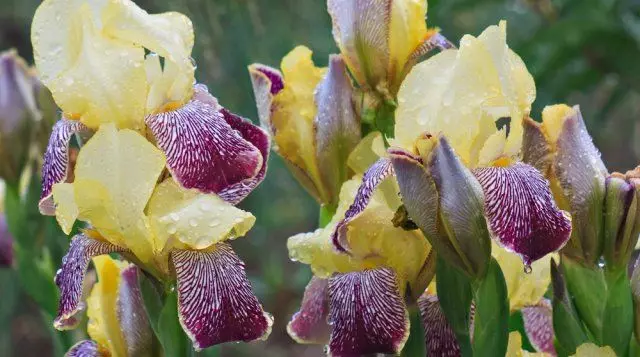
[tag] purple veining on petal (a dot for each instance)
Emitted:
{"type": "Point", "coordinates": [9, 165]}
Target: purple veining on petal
{"type": "Point", "coordinates": [215, 300]}
{"type": "Point", "coordinates": [260, 139]}
{"type": "Point", "coordinates": [522, 214]}
{"type": "Point", "coordinates": [203, 151]}
{"type": "Point", "coordinates": [538, 324]}
{"type": "Point", "coordinates": [267, 82]}
{"type": "Point", "coordinates": [437, 40]}
{"type": "Point", "coordinates": [439, 337]}
{"type": "Point", "coordinates": [70, 276]}
{"type": "Point", "coordinates": [131, 314]}
{"type": "Point", "coordinates": [86, 348]}
{"type": "Point", "coordinates": [56, 160]}
{"type": "Point", "coordinates": [380, 170]}
{"type": "Point", "coordinates": [366, 313]}
{"type": "Point", "coordinates": [309, 325]}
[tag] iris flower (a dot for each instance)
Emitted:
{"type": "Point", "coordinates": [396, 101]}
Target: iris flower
{"type": "Point", "coordinates": [161, 166]}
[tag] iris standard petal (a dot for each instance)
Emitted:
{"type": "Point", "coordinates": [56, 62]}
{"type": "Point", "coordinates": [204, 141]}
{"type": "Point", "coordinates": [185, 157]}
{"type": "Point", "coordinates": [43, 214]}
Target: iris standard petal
{"type": "Point", "coordinates": [215, 300]}
{"type": "Point", "coordinates": [538, 324]}
{"type": "Point", "coordinates": [367, 314]}
{"type": "Point", "coordinates": [370, 181]}
{"type": "Point", "coordinates": [70, 276]}
{"type": "Point", "coordinates": [260, 139]}
{"type": "Point", "coordinates": [203, 151]}
{"type": "Point", "coordinates": [309, 324]}
{"type": "Point", "coordinates": [55, 167]}
{"type": "Point", "coordinates": [85, 348]}
{"type": "Point", "coordinates": [190, 219]}
{"type": "Point", "coordinates": [521, 212]}
{"type": "Point", "coordinates": [440, 338]}
{"type": "Point", "coordinates": [267, 82]}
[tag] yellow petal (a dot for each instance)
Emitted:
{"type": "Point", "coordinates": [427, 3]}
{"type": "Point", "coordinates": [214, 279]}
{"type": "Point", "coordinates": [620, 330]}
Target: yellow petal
{"type": "Point", "coordinates": [103, 326]}
{"type": "Point", "coordinates": [553, 117]}
{"type": "Point", "coordinates": [115, 174]}
{"type": "Point", "coordinates": [368, 151]}
{"type": "Point", "coordinates": [514, 348]}
{"type": "Point", "coordinates": [591, 350]}
{"type": "Point", "coordinates": [294, 113]}
{"type": "Point", "coordinates": [195, 219]}
{"type": "Point", "coordinates": [455, 91]}
{"type": "Point", "coordinates": [407, 29]}
{"type": "Point", "coordinates": [92, 76]}
{"type": "Point", "coordinates": [66, 208]}
{"type": "Point", "coordinates": [524, 289]}
{"type": "Point", "coordinates": [373, 239]}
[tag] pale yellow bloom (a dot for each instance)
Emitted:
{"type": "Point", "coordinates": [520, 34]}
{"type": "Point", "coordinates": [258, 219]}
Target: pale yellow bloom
{"type": "Point", "coordinates": [591, 350]}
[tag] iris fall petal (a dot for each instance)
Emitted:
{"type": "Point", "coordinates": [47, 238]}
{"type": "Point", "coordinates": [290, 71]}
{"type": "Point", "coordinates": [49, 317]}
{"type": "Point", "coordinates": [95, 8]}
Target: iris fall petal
{"type": "Point", "coordinates": [538, 324]}
{"type": "Point", "coordinates": [309, 325]}
{"type": "Point", "coordinates": [440, 338]}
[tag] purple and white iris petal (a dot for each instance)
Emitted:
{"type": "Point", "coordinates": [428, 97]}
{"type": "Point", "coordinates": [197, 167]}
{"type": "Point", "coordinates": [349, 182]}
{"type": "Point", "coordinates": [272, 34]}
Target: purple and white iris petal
{"type": "Point", "coordinates": [437, 40]}
{"type": "Point", "coordinates": [203, 151]}
{"type": "Point", "coordinates": [56, 161]}
{"type": "Point", "coordinates": [522, 214]}
{"type": "Point", "coordinates": [379, 171]}
{"type": "Point", "coordinates": [215, 300]}
{"type": "Point", "coordinates": [538, 324]}
{"type": "Point", "coordinates": [86, 348]}
{"type": "Point", "coordinates": [131, 314]}
{"type": "Point", "coordinates": [367, 314]}
{"type": "Point", "coordinates": [258, 138]}
{"type": "Point", "coordinates": [309, 325]}
{"type": "Point", "coordinates": [440, 338]}
{"type": "Point", "coordinates": [70, 277]}
{"type": "Point", "coordinates": [267, 82]}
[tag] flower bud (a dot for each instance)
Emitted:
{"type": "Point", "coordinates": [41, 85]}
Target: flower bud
{"type": "Point", "coordinates": [621, 217]}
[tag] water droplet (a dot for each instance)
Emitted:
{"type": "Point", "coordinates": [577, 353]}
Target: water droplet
{"type": "Point", "coordinates": [214, 223]}
{"type": "Point", "coordinates": [172, 229]}
{"type": "Point", "coordinates": [174, 216]}
{"type": "Point", "coordinates": [527, 269]}
{"type": "Point", "coordinates": [193, 222]}
{"type": "Point", "coordinates": [205, 206]}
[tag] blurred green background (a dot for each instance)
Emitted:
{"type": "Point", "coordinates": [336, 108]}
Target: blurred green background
{"type": "Point", "coordinates": [584, 52]}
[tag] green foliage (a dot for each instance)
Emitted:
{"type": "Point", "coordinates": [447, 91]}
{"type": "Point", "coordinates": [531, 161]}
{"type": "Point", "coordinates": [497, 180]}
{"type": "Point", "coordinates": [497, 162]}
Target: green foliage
{"type": "Point", "coordinates": [491, 319]}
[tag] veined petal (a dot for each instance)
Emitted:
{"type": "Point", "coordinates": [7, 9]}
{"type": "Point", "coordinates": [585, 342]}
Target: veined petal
{"type": "Point", "coordinates": [85, 348]}
{"type": "Point", "coordinates": [215, 300]}
{"type": "Point", "coordinates": [115, 175]}
{"type": "Point", "coordinates": [260, 139]}
{"type": "Point", "coordinates": [538, 324]}
{"type": "Point", "coordinates": [203, 151]}
{"type": "Point", "coordinates": [309, 325]}
{"type": "Point", "coordinates": [522, 214]}
{"type": "Point", "coordinates": [55, 167]}
{"type": "Point", "coordinates": [367, 314]}
{"type": "Point", "coordinates": [370, 181]}
{"type": "Point", "coordinates": [440, 338]}
{"type": "Point", "coordinates": [92, 76]}
{"type": "Point", "coordinates": [71, 275]}
{"type": "Point", "coordinates": [195, 220]}
{"type": "Point", "coordinates": [267, 82]}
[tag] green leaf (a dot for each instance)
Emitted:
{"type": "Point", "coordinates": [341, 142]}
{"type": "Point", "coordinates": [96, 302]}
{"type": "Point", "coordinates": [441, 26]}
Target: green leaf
{"type": "Point", "coordinates": [454, 294]}
{"type": "Point", "coordinates": [170, 333]}
{"type": "Point", "coordinates": [491, 321]}
{"type": "Point", "coordinates": [415, 346]}
{"type": "Point", "coordinates": [588, 288]}
{"type": "Point", "coordinates": [152, 298]}
{"type": "Point", "coordinates": [566, 323]}
{"type": "Point", "coordinates": [618, 313]}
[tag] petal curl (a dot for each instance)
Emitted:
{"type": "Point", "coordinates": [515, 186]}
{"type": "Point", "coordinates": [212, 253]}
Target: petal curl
{"type": "Point", "coordinates": [215, 300]}
{"type": "Point", "coordinates": [203, 151]}
{"type": "Point", "coordinates": [522, 214]}
{"type": "Point", "coordinates": [367, 314]}
{"type": "Point", "coordinates": [370, 181]}
{"type": "Point", "coordinates": [70, 276]}
{"type": "Point", "coordinates": [55, 167]}
{"type": "Point", "coordinates": [440, 338]}
{"type": "Point", "coordinates": [85, 348]}
{"type": "Point", "coordinates": [267, 82]}
{"type": "Point", "coordinates": [309, 325]}
{"type": "Point", "coordinates": [538, 324]}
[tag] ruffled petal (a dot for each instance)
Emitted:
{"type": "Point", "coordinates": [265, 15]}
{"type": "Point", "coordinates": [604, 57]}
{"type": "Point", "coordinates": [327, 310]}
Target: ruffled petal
{"type": "Point", "coordinates": [367, 314]}
{"type": "Point", "coordinates": [267, 82]}
{"type": "Point", "coordinates": [309, 325]}
{"type": "Point", "coordinates": [215, 300]}
{"type": "Point", "coordinates": [370, 181]}
{"type": "Point", "coordinates": [70, 276]}
{"type": "Point", "coordinates": [85, 348]}
{"type": "Point", "coordinates": [440, 338]}
{"type": "Point", "coordinates": [260, 139]}
{"type": "Point", "coordinates": [522, 214]}
{"type": "Point", "coordinates": [538, 324]}
{"type": "Point", "coordinates": [203, 151]}
{"type": "Point", "coordinates": [56, 161]}
{"type": "Point", "coordinates": [195, 220]}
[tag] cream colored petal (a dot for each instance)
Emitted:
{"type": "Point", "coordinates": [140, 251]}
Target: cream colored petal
{"type": "Point", "coordinates": [591, 350]}
{"type": "Point", "coordinates": [366, 153]}
{"type": "Point", "coordinates": [524, 289]}
{"type": "Point", "coordinates": [94, 77]}
{"type": "Point", "coordinates": [115, 174]}
{"type": "Point", "coordinates": [514, 348]}
{"type": "Point", "coordinates": [407, 29]}
{"type": "Point", "coordinates": [553, 118]}
{"type": "Point", "coordinates": [66, 208]}
{"type": "Point", "coordinates": [194, 219]}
